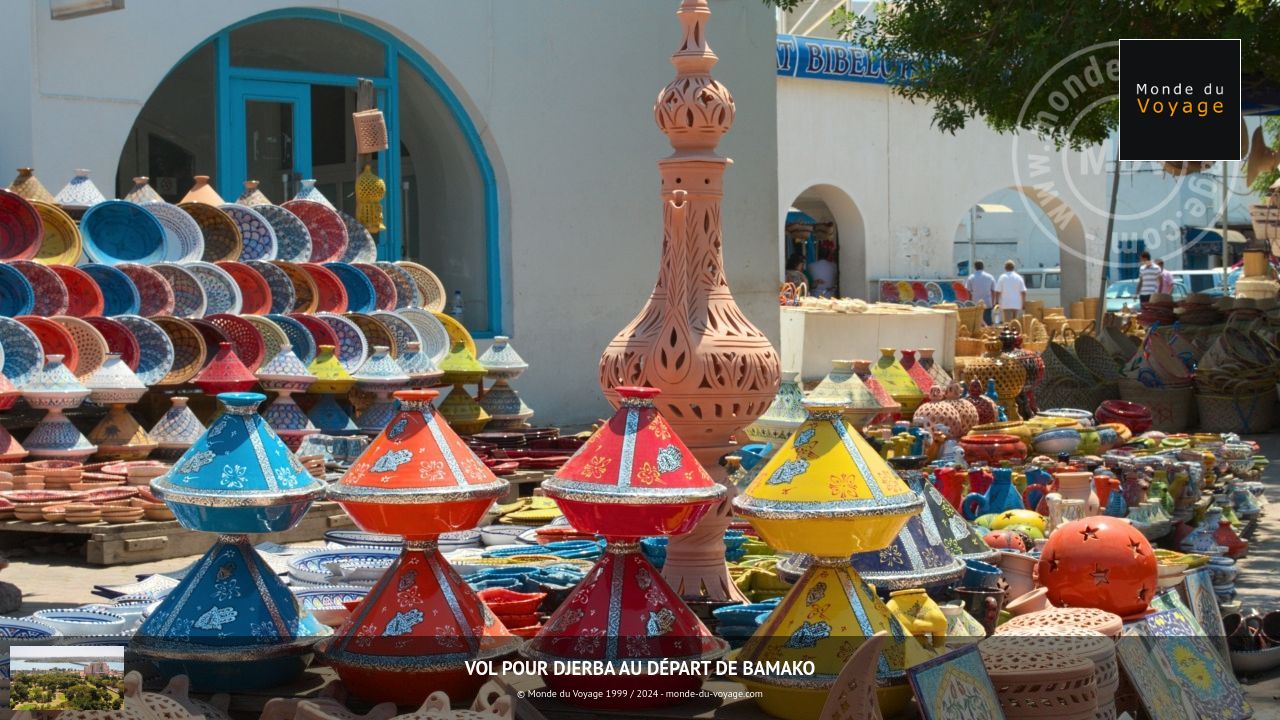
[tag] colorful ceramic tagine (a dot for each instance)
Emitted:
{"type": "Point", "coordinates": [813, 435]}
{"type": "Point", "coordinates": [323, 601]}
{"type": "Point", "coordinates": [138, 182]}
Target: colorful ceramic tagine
{"type": "Point", "coordinates": [308, 191]}
{"type": "Point", "coordinates": [1099, 562]}
{"type": "Point", "coordinates": [897, 382]}
{"type": "Point", "coordinates": [231, 623]}
{"type": "Point", "coordinates": [1226, 536]}
{"type": "Point", "coordinates": [285, 375]}
{"type": "Point", "coordinates": [919, 373]}
{"type": "Point", "coordinates": [504, 405]}
{"type": "Point", "coordinates": [380, 375]}
{"type": "Point", "coordinates": [252, 195]}
{"type": "Point", "coordinates": [421, 368]}
{"type": "Point", "coordinates": [691, 330]}
{"type": "Point", "coordinates": [79, 194]}
{"type": "Point", "coordinates": [29, 186]}
{"type": "Point", "coordinates": [461, 410]}
{"type": "Point", "coordinates": [56, 389]}
{"type": "Point", "coordinates": [118, 435]}
{"type": "Point", "coordinates": [891, 408]}
{"type": "Point", "coordinates": [420, 624]}
{"type": "Point", "coordinates": [931, 366]}
{"type": "Point", "coordinates": [225, 373]}
{"type": "Point", "coordinates": [783, 415]}
{"type": "Point", "coordinates": [175, 431]}
{"type": "Point", "coordinates": [842, 387]}
{"type": "Point", "coordinates": [332, 381]}
{"type": "Point", "coordinates": [202, 192]}
{"type": "Point", "coordinates": [634, 478]}
{"type": "Point", "coordinates": [142, 192]}
{"type": "Point", "coordinates": [827, 493]}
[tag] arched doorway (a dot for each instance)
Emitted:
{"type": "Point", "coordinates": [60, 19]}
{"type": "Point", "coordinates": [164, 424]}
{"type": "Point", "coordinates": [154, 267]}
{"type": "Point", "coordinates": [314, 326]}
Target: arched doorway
{"type": "Point", "coordinates": [270, 98]}
{"type": "Point", "coordinates": [824, 224]}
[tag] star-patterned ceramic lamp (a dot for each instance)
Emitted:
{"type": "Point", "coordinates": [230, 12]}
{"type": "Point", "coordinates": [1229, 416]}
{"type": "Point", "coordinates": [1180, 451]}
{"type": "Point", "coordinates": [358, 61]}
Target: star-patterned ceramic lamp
{"type": "Point", "coordinates": [421, 623]}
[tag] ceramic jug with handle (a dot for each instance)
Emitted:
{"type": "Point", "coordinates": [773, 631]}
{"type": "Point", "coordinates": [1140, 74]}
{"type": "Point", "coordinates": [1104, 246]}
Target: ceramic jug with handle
{"type": "Point", "coordinates": [1001, 496]}
{"type": "Point", "coordinates": [950, 483]}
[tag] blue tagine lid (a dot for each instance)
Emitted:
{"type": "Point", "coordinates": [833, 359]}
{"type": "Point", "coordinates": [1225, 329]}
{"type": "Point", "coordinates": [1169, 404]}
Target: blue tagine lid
{"type": "Point", "coordinates": [238, 477]}
{"type": "Point", "coordinates": [381, 370]}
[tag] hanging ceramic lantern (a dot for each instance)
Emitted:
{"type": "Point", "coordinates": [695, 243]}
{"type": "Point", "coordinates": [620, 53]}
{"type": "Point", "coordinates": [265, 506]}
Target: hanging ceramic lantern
{"type": "Point", "coordinates": [370, 130]}
{"type": "Point", "coordinates": [634, 478]}
{"type": "Point", "coordinates": [370, 190]}
{"type": "Point", "coordinates": [421, 623]}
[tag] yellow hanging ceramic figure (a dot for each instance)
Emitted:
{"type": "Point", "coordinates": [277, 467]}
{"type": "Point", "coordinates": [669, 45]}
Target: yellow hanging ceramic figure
{"type": "Point", "coordinates": [369, 191]}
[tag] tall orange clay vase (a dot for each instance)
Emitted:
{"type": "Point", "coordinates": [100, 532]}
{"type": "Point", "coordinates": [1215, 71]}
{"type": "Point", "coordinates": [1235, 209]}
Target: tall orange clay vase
{"type": "Point", "coordinates": [716, 370]}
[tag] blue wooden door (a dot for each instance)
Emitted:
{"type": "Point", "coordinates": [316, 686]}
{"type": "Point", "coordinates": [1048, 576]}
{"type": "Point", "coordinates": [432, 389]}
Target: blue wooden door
{"type": "Point", "coordinates": [270, 136]}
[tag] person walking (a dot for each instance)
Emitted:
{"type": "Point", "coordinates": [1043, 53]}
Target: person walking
{"type": "Point", "coordinates": [1148, 278]}
{"type": "Point", "coordinates": [1166, 279]}
{"type": "Point", "coordinates": [980, 285]}
{"type": "Point", "coordinates": [1011, 290]}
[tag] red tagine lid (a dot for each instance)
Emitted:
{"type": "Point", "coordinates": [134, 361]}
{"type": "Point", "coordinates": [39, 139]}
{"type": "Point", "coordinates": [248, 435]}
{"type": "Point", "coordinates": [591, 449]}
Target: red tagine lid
{"type": "Point", "coordinates": [634, 458]}
{"type": "Point", "coordinates": [225, 373]}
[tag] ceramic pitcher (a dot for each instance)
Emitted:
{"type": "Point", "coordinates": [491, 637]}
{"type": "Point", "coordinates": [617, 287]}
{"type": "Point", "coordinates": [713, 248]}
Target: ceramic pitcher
{"type": "Point", "coordinates": [920, 614]}
{"type": "Point", "coordinates": [1001, 496]}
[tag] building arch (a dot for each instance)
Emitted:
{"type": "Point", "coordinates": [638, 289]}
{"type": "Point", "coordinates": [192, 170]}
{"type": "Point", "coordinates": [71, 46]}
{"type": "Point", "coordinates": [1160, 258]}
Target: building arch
{"type": "Point", "coordinates": [827, 203]}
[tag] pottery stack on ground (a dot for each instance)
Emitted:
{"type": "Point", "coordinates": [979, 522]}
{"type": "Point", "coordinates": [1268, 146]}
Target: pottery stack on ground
{"type": "Point", "coordinates": [55, 389]}
{"type": "Point", "coordinates": [502, 364]}
{"type": "Point", "coordinates": [380, 375]}
{"type": "Point", "coordinates": [285, 375]}
{"type": "Point", "coordinates": [118, 435]}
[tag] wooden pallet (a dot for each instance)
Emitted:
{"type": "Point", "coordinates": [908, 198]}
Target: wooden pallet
{"type": "Point", "coordinates": [147, 540]}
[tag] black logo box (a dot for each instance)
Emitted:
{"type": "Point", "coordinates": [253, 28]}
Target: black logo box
{"type": "Point", "coordinates": [1186, 68]}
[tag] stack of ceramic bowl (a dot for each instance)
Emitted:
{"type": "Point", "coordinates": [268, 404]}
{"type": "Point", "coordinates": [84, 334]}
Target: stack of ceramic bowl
{"type": "Point", "coordinates": [118, 435]}
{"type": "Point", "coordinates": [285, 375]}
{"type": "Point", "coordinates": [507, 410]}
{"type": "Point", "coordinates": [380, 375]}
{"type": "Point", "coordinates": [55, 389]}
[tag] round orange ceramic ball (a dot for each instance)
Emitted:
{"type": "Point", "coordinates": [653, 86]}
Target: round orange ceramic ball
{"type": "Point", "coordinates": [1099, 562]}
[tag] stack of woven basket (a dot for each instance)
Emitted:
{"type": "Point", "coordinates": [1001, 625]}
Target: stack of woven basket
{"type": "Point", "coordinates": [1079, 372]}
{"type": "Point", "coordinates": [1235, 382]}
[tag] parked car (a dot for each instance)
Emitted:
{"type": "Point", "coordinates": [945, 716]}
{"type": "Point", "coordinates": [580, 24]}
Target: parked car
{"type": "Point", "coordinates": [1124, 293]}
{"type": "Point", "coordinates": [1043, 284]}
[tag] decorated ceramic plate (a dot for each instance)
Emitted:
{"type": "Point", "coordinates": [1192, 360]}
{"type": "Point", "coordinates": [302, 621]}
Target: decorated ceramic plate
{"type": "Point", "coordinates": [119, 340]}
{"type": "Point", "coordinates": [245, 339]}
{"type": "Point", "coordinates": [457, 331]}
{"type": "Point", "coordinates": [92, 346]}
{"type": "Point", "coordinates": [352, 348]}
{"type": "Point", "coordinates": [273, 338]}
{"type": "Point", "coordinates": [23, 354]}
{"type": "Point", "coordinates": [431, 332]}
{"type": "Point", "coordinates": [189, 349]}
{"type": "Point", "coordinates": [222, 294]}
{"type": "Point", "coordinates": [117, 231]}
{"type": "Point", "coordinates": [155, 294]}
{"type": "Point", "coordinates": [21, 228]}
{"type": "Point", "coordinates": [255, 293]}
{"type": "Point", "coordinates": [188, 294]}
{"type": "Point", "coordinates": [376, 333]}
{"type": "Point", "coordinates": [407, 292]}
{"type": "Point", "coordinates": [283, 297]}
{"type": "Point", "coordinates": [184, 242]}
{"type": "Point", "coordinates": [212, 334]}
{"type": "Point", "coordinates": [384, 288]}
{"type": "Point", "coordinates": [221, 234]}
{"type": "Point", "coordinates": [326, 602]}
{"type": "Point", "coordinates": [356, 566]}
{"type": "Point", "coordinates": [361, 247]}
{"type": "Point", "coordinates": [361, 296]}
{"type": "Point", "coordinates": [331, 294]}
{"type": "Point", "coordinates": [55, 340]}
{"type": "Point", "coordinates": [61, 244]}
{"type": "Point", "coordinates": [429, 286]}
{"type": "Point", "coordinates": [257, 236]}
{"type": "Point", "coordinates": [402, 331]}
{"type": "Point", "coordinates": [49, 290]}
{"type": "Point", "coordinates": [328, 232]}
{"type": "Point", "coordinates": [119, 296]}
{"type": "Point", "coordinates": [305, 292]}
{"type": "Point", "coordinates": [320, 331]}
{"type": "Point", "coordinates": [300, 339]}
{"type": "Point", "coordinates": [84, 297]}
{"type": "Point", "coordinates": [293, 240]}
{"type": "Point", "coordinates": [155, 349]}
{"type": "Point", "coordinates": [16, 295]}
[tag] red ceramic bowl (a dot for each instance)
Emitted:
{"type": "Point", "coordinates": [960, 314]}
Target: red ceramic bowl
{"type": "Point", "coordinates": [245, 338]}
{"type": "Point", "coordinates": [213, 337]}
{"type": "Point", "coordinates": [155, 294]}
{"type": "Point", "coordinates": [417, 521]}
{"type": "Point", "coordinates": [255, 293]}
{"type": "Point", "coordinates": [119, 339]}
{"type": "Point", "coordinates": [1135, 416]}
{"type": "Point", "coordinates": [319, 329]}
{"type": "Point", "coordinates": [21, 228]}
{"type": "Point", "coordinates": [993, 449]}
{"type": "Point", "coordinates": [632, 521]}
{"type": "Point", "coordinates": [54, 339]}
{"type": "Point", "coordinates": [51, 292]}
{"type": "Point", "coordinates": [504, 601]}
{"type": "Point", "coordinates": [84, 297]}
{"type": "Point", "coordinates": [384, 288]}
{"type": "Point", "coordinates": [331, 294]}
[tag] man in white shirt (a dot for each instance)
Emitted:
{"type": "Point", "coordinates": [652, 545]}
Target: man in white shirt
{"type": "Point", "coordinates": [1011, 290]}
{"type": "Point", "coordinates": [1148, 278]}
{"type": "Point", "coordinates": [980, 284]}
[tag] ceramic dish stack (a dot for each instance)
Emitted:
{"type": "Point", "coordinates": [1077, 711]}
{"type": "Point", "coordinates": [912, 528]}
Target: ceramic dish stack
{"type": "Point", "coordinates": [507, 410]}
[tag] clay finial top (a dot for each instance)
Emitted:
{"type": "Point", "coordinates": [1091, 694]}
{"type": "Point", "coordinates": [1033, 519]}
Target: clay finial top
{"type": "Point", "coordinates": [694, 110]}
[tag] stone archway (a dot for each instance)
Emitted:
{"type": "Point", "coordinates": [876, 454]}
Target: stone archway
{"type": "Point", "coordinates": [836, 216]}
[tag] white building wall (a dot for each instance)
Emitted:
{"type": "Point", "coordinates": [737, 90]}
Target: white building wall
{"type": "Point", "coordinates": [562, 92]}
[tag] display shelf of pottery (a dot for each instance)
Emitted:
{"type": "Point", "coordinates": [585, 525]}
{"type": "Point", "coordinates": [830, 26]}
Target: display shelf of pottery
{"type": "Point", "coordinates": [828, 494]}
{"type": "Point", "coordinates": [502, 364]}
{"type": "Point", "coordinates": [421, 623]}
{"type": "Point", "coordinates": [461, 410]}
{"type": "Point", "coordinates": [118, 435]}
{"type": "Point", "coordinates": [175, 431]}
{"type": "Point", "coordinates": [421, 369]}
{"type": "Point", "coordinates": [657, 488]}
{"type": "Point", "coordinates": [332, 381]}
{"type": "Point", "coordinates": [55, 389]}
{"type": "Point", "coordinates": [380, 375]}
{"type": "Point", "coordinates": [285, 375]}
{"type": "Point", "coordinates": [231, 623]}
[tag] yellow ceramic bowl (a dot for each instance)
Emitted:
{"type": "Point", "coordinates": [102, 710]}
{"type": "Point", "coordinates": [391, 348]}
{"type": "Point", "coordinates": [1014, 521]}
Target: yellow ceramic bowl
{"type": "Point", "coordinates": [831, 537]}
{"type": "Point", "coordinates": [1018, 517]}
{"type": "Point", "coordinates": [1016, 428]}
{"type": "Point", "coordinates": [1040, 423]}
{"type": "Point", "coordinates": [806, 704]}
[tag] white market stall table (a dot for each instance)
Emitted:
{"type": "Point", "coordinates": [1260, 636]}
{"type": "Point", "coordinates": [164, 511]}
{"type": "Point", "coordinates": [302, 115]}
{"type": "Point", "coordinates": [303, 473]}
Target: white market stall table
{"type": "Point", "coordinates": [811, 339]}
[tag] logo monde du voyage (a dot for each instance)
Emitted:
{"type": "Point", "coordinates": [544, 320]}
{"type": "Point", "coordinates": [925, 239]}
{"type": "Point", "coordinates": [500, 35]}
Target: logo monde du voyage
{"type": "Point", "coordinates": [1180, 99]}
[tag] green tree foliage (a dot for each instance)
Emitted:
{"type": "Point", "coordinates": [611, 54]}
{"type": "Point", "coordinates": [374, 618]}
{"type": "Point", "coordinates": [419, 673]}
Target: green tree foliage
{"type": "Point", "coordinates": [984, 58]}
{"type": "Point", "coordinates": [58, 690]}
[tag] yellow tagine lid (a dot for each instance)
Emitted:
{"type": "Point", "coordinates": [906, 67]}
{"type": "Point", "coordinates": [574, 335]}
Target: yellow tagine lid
{"type": "Point", "coordinates": [331, 376]}
{"type": "Point", "coordinates": [894, 378]}
{"type": "Point", "coordinates": [826, 491]}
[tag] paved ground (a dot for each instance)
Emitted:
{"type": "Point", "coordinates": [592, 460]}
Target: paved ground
{"type": "Point", "coordinates": [55, 577]}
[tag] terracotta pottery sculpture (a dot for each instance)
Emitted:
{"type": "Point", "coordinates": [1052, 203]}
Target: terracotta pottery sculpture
{"type": "Point", "coordinates": [1031, 681]}
{"type": "Point", "coordinates": [987, 410]}
{"type": "Point", "coordinates": [717, 371]}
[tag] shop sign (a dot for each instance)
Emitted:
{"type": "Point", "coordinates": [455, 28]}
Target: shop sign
{"type": "Point", "coordinates": [806, 57]}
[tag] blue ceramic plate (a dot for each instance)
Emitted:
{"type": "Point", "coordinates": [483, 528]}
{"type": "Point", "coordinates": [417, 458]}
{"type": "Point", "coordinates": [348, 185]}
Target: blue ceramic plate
{"type": "Point", "coordinates": [155, 357]}
{"type": "Point", "coordinates": [16, 295]}
{"type": "Point", "coordinates": [361, 297]}
{"type": "Point", "coordinates": [361, 247]}
{"type": "Point", "coordinates": [407, 292]}
{"type": "Point", "coordinates": [353, 348]}
{"type": "Point", "coordinates": [328, 597]}
{"type": "Point", "coordinates": [23, 353]}
{"type": "Point", "coordinates": [301, 339]}
{"type": "Point", "coordinates": [183, 240]}
{"type": "Point", "coordinates": [359, 538]}
{"type": "Point", "coordinates": [81, 622]}
{"type": "Point", "coordinates": [257, 234]}
{"type": "Point", "coordinates": [222, 294]}
{"type": "Point", "coordinates": [293, 240]}
{"type": "Point", "coordinates": [120, 231]}
{"type": "Point", "coordinates": [188, 294]}
{"type": "Point", "coordinates": [434, 336]}
{"type": "Point", "coordinates": [119, 294]}
{"type": "Point", "coordinates": [356, 566]}
{"type": "Point", "coordinates": [283, 294]}
{"type": "Point", "coordinates": [401, 330]}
